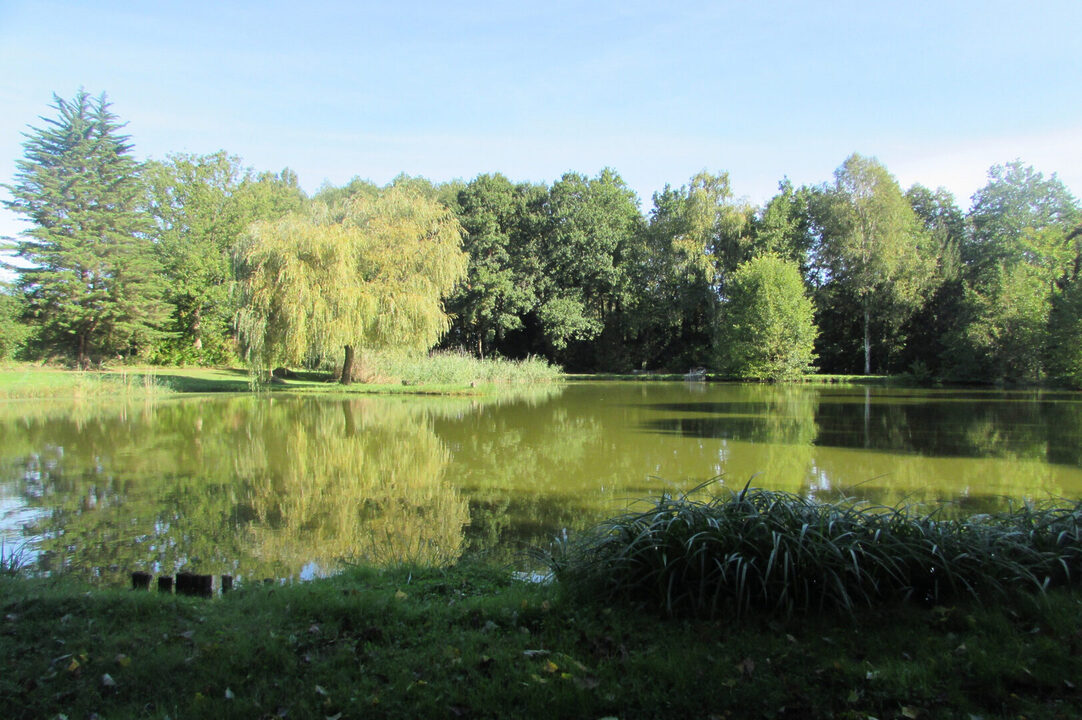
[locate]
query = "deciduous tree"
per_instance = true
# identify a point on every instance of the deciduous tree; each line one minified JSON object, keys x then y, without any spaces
{"x":768,"y":325}
{"x":873,"y":247}
{"x":371,"y":274}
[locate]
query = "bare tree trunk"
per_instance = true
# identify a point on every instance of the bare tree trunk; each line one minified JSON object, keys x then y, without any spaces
{"x":347,"y":367}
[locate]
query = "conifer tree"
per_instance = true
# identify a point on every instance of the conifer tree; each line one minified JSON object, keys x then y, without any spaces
{"x":92,"y":283}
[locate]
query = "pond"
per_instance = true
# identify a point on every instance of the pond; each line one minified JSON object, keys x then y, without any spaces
{"x":292,"y":486}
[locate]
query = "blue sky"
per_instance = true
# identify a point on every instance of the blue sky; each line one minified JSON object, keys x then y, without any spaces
{"x":938,"y":91}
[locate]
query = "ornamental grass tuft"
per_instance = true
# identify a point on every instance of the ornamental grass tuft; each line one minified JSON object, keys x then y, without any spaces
{"x":778,"y":552}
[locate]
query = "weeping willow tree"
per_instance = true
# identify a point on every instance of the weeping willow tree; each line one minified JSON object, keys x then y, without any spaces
{"x":369,"y":273}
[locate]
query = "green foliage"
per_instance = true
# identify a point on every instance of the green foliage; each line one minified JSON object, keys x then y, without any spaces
{"x":200,"y":206}
{"x":370,"y":273}
{"x":768,"y":325}
{"x":784,"y":225}
{"x":696,"y":237}
{"x":1014,"y":206}
{"x":1065,"y":336}
{"x":769,"y":550}
{"x":872,"y":249}
{"x":1016,"y":257}
{"x":13,"y":332}
{"x":1005,"y":335}
{"x":93,"y":284}
{"x":499,"y":287}
{"x":589,"y":226}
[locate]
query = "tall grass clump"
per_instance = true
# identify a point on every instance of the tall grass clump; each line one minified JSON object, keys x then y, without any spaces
{"x":768,"y":550}
{"x":454,"y":368}
{"x":15,"y":560}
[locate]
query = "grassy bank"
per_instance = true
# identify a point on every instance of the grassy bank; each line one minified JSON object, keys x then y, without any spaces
{"x":28,"y":381}
{"x":718,"y":377}
{"x":1001,"y":639}
{"x":470,"y":642}
{"x":439,"y":374}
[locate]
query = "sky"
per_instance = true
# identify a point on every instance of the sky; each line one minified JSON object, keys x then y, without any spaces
{"x":937,"y":91}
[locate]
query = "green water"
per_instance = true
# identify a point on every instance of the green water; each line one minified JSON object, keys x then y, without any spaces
{"x":291,"y":486}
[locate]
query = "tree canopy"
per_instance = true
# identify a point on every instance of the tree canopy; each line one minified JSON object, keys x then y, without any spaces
{"x":199,"y":259}
{"x":369,"y":273}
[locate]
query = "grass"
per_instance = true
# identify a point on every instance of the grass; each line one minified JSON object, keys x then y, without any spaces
{"x":815,"y":379}
{"x":453,"y":368}
{"x":763,"y":549}
{"x":468,"y":642}
{"x":438,"y":374}
{"x":15,"y":560}
{"x":24,"y":382}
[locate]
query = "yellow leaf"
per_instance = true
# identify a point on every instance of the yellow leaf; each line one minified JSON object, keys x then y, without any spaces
{"x":123,"y":660}
{"x":399,"y":595}
{"x":73,"y":665}
{"x":550,"y":667}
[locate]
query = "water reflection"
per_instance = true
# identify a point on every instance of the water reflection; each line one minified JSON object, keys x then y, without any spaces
{"x":280,"y":486}
{"x":251,"y":486}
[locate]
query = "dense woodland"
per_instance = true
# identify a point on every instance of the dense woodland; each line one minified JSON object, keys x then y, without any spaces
{"x":199,"y":259}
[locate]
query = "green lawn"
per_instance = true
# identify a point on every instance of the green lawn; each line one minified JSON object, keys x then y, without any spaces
{"x":469,"y":642}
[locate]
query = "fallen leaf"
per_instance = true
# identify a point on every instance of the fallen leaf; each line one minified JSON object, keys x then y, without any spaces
{"x":336,"y":716}
{"x":122,"y":660}
{"x":73,"y":665}
{"x":321,"y":691}
{"x":187,"y":634}
{"x":550,"y":667}
{"x":229,"y":694}
{"x":399,"y":595}
{"x":910,"y":712}
{"x":746,"y":666}
{"x":107,"y":680}
{"x":535,"y":653}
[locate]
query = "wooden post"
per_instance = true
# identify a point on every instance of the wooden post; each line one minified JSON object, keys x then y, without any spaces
{"x":140,"y":580}
{"x":165,"y":584}
{"x":227,"y":583}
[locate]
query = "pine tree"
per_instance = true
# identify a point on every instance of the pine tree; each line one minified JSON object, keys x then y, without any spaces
{"x":93,"y":285}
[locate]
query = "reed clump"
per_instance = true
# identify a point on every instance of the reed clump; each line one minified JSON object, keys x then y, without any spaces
{"x":774,"y":551}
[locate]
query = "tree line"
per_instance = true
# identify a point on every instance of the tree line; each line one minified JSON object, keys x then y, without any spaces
{"x":199,"y":259}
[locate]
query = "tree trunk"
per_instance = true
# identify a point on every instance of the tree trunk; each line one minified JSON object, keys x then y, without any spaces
{"x":81,"y":359}
{"x":347,"y":367}
{"x":197,"y":328}
{"x":867,"y":344}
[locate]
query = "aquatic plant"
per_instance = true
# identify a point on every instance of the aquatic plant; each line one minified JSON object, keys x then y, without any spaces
{"x":777,"y":551}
